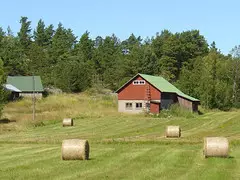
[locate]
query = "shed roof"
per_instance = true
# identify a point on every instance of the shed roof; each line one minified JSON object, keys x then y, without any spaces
{"x":162,"y":85}
{"x":11,"y":88}
{"x":25,"y":83}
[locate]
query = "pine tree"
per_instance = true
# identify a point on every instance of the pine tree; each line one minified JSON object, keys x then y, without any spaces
{"x":2,"y":81}
{"x":24,"y":34}
{"x":39,"y":34}
{"x":85,"y":47}
{"x":63,"y":42}
{"x":235,"y":71}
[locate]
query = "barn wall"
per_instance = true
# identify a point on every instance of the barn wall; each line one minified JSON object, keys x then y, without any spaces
{"x":30,"y":95}
{"x":122,"y":106}
{"x":195,"y":106}
{"x":154,"y":107}
{"x":185,"y":103}
{"x":167,"y":99}
{"x":138,"y":92}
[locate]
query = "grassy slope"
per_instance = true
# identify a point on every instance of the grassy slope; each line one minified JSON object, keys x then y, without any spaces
{"x":122,"y":146}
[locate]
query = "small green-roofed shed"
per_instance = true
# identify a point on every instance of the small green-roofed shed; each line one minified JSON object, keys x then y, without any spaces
{"x":25,"y":83}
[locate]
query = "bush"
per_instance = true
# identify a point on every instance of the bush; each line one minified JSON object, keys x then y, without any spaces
{"x":175,"y":111}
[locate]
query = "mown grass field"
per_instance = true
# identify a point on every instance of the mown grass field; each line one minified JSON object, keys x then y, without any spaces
{"x":122,"y":146}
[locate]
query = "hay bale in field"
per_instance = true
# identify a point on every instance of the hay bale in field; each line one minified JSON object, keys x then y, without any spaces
{"x":216,"y":147}
{"x":67,"y":122}
{"x":173,"y":131}
{"x":75,"y":149}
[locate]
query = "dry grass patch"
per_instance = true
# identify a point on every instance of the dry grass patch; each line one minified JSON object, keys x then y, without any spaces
{"x":60,"y":106}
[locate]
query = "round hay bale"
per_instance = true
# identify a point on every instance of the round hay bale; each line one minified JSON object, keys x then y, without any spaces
{"x":216,"y":147}
{"x":75,"y":149}
{"x":173,"y":131}
{"x":67,"y":122}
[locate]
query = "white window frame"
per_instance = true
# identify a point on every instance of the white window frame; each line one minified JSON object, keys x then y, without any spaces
{"x":139,"y":103}
{"x":139,"y":82}
{"x":135,"y":82}
{"x":129,"y":105}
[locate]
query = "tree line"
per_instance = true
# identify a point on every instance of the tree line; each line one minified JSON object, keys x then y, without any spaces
{"x":75,"y":64}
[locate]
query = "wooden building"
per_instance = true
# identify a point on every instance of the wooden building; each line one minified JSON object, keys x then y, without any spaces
{"x":151,"y":94}
{"x":24,"y":86}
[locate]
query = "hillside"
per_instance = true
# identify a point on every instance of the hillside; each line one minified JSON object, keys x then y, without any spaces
{"x":122,"y":146}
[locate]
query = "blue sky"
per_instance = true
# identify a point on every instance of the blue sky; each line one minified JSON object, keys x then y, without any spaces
{"x":217,"y":20}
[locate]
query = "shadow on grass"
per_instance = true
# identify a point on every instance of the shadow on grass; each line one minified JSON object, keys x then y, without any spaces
{"x":200,"y":113}
{"x":6,"y":120}
{"x":76,"y":160}
{"x":214,"y":157}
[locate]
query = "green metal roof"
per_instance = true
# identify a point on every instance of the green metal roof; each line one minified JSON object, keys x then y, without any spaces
{"x":164,"y":86}
{"x":25,"y":83}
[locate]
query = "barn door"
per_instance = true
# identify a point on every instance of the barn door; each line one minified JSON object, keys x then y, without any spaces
{"x":154,"y":108}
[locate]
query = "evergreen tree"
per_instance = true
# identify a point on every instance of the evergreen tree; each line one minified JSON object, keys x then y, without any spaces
{"x":107,"y":61}
{"x":2,"y":34}
{"x":63,"y":42}
{"x":235,"y":73}
{"x":24,"y":34}
{"x":149,"y":63}
{"x":14,"y":59}
{"x":49,"y":32}
{"x":2,"y":81}
{"x":39,"y":34}
{"x":72,"y":74}
{"x":85,"y":47}
{"x":9,"y":32}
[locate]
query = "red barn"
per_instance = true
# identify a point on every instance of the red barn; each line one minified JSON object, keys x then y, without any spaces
{"x":151,"y":94}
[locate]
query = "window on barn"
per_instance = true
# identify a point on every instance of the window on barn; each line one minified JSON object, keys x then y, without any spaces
{"x":138,"y":82}
{"x":128,"y":105}
{"x":135,"y":82}
{"x":142,"y":82}
{"x":138,"y":105}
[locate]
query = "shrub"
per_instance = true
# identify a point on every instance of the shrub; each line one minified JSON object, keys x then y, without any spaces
{"x":176,"y":111}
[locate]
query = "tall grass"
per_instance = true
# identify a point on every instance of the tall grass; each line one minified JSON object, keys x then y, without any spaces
{"x":57,"y":107}
{"x":176,"y":111}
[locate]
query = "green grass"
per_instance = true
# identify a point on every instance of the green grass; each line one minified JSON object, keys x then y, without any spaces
{"x":116,"y":161}
{"x":122,"y":146}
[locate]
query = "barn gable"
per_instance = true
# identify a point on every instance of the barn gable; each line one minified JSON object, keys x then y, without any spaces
{"x":131,"y":91}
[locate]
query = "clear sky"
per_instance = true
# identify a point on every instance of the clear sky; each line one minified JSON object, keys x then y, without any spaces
{"x":217,"y":20}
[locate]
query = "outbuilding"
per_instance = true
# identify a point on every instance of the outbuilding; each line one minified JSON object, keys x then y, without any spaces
{"x":146,"y":93}
{"x":24,"y":86}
